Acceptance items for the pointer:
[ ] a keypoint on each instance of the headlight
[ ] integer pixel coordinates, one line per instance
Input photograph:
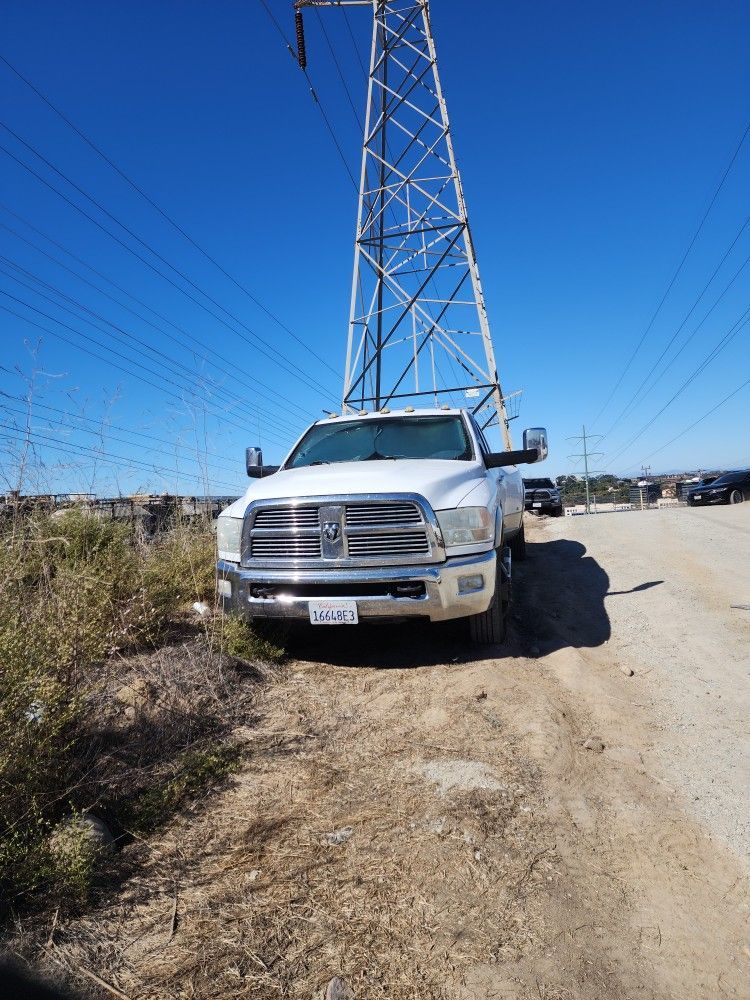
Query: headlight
(228, 536)
(466, 526)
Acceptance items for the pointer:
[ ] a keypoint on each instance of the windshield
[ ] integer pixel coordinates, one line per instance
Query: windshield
(538, 484)
(390, 438)
(730, 477)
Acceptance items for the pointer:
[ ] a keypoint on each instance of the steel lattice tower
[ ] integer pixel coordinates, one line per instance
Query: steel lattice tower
(418, 324)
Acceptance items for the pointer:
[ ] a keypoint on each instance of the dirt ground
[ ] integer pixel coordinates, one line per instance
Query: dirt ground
(430, 825)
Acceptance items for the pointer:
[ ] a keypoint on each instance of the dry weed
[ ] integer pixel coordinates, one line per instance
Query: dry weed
(425, 887)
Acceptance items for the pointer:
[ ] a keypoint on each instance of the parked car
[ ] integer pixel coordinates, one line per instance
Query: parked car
(541, 496)
(732, 487)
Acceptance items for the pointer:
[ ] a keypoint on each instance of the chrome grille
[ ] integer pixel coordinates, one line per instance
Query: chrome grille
(287, 518)
(324, 531)
(285, 547)
(386, 514)
(391, 543)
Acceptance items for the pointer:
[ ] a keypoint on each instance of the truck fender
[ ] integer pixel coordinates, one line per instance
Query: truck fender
(498, 526)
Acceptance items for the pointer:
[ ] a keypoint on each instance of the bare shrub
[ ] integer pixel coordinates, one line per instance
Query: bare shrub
(78, 593)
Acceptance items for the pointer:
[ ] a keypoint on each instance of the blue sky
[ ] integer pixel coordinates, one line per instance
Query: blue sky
(590, 138)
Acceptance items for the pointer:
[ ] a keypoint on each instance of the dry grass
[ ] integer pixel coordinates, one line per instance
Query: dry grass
(244, 894)
(84, 723)
(267, 907)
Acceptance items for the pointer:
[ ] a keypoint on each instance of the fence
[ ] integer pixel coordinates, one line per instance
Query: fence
(151, 513)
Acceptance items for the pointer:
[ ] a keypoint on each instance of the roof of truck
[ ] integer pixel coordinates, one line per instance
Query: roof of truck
(434, 411)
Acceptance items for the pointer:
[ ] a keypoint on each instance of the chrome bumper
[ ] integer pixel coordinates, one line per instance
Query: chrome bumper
(442, 599)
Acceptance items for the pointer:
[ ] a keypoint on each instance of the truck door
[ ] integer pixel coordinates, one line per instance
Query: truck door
(509, 487)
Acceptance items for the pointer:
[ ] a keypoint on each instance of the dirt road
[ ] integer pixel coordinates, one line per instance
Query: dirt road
(430, 825)
(673, 576)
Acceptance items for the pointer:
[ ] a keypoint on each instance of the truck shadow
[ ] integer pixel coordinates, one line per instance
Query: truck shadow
(560, 593)
(559, 602)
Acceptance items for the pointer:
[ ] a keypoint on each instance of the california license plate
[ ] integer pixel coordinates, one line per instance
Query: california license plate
(537, 505)
(333, 613)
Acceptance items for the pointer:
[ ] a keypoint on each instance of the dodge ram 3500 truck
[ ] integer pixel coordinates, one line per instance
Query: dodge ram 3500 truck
(387, 515)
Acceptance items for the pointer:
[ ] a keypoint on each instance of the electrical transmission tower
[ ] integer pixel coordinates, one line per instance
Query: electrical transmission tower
(418, 325)
(586, 455)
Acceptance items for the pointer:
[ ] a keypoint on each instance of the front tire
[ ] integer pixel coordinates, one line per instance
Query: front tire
(736, 496)
(491, 627)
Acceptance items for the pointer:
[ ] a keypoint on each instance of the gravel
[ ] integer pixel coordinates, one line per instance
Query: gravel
(689, 650)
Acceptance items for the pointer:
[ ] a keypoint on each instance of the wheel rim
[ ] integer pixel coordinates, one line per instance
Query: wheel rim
(736, 497)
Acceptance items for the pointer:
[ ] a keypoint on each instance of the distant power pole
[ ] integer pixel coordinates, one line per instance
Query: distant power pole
(585, 439)
(646, 470)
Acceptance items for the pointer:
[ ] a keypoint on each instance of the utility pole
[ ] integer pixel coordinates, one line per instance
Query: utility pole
(585, 439)
(418, 325)
(646, 470)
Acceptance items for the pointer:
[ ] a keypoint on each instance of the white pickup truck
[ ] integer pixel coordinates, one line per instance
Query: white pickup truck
(388, 515)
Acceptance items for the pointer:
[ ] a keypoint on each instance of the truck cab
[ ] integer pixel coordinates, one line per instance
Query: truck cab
(393, 514)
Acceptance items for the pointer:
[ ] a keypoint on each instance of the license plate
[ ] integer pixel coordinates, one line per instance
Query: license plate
(537, 505)
(333, 613)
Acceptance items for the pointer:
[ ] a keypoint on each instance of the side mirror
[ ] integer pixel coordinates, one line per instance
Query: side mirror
(536, 437)
(534, 450)
(253, 460)
(254, 464)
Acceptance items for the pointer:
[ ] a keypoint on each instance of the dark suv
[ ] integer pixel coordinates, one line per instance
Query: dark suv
(541, 496)
(732, 487)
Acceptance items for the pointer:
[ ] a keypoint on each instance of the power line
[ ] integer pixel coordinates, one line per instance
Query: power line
(110, 437)
(84, 452)
(200, 396)
(676, 274)
(331, 132)
(279, 29)
(695, 423)
(336, 63)
(313, 93)
(53, 333)
(165, 333)
(354, 44)
(171, 363)
(165, 215)
(99, 423)
(290, 368)
(232, 371)
(722, 344)
(679, 329)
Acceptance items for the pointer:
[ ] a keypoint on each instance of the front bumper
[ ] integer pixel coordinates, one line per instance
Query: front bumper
(438, 590)
(704, 500)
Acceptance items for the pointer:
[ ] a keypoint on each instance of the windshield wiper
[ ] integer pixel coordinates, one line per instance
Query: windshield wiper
(319, 462)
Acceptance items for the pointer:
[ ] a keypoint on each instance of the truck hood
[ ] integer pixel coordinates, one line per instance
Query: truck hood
(443, 484)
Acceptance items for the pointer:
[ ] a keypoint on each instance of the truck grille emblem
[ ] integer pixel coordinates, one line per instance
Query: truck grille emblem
(331, 531)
